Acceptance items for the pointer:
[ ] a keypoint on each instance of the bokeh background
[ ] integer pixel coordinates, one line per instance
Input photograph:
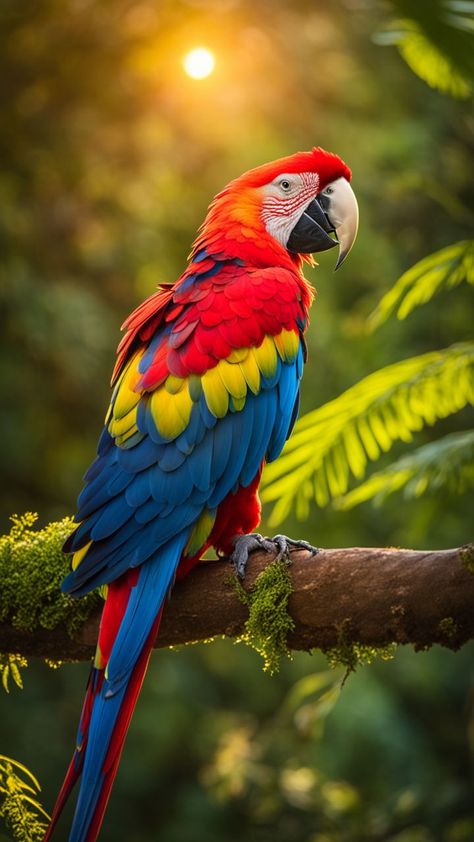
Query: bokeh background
(109, 156)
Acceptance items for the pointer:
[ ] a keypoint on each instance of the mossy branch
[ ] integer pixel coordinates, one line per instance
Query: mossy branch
(343, 601)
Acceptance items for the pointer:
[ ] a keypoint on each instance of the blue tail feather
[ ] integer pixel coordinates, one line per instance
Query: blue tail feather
(145, 601)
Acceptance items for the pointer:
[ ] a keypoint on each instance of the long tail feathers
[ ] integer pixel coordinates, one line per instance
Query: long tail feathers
(75, 766)
(88, 825)
(129, 625)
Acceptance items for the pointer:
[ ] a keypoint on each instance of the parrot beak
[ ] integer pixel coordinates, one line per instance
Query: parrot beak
(340, 205)
(333, 211)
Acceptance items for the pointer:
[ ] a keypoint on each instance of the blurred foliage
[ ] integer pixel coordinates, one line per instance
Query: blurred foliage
(448, 462)
(430, 64)
(445, 269)
(434, 38)
(365, 421)
(109, 156)
(19, 807)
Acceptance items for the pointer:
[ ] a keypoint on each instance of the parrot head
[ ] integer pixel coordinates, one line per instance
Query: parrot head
(302, 203)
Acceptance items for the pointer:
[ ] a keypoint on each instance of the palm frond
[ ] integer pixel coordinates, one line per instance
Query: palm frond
(445, 269)
(339, 438)
(446, 463)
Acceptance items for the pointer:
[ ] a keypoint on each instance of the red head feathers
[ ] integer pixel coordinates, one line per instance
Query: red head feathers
(325, 165)
(252, 217)
(271, 217)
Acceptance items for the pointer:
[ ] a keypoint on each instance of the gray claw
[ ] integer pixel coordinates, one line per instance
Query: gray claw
(245, 544)
(284, 545)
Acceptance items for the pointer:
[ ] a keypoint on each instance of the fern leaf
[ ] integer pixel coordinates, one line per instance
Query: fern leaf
(446, 463)
(338, 439)
(445, 269)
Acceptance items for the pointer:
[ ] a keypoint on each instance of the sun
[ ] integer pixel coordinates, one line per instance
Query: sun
(199, 63)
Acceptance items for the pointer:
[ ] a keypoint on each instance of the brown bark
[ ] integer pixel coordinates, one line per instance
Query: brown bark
(371, 596)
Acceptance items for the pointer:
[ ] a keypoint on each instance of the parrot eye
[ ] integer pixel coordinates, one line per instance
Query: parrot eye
(285, 185)
(329, 190)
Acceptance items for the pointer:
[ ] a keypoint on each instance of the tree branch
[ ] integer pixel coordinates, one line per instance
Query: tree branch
(371, 596)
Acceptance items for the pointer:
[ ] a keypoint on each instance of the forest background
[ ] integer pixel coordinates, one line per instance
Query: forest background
(109, 157)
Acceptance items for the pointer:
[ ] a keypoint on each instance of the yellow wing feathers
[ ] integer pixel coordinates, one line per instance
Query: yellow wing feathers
(171, 410)
(122, 416)
(126, 397)
(287, 344)
(171, 404)
(79, 554)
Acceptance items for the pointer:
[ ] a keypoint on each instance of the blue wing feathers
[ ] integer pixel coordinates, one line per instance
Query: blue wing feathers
(265, 415)
(300, 361)
(242, 425)
(142, 456)
(149, 511)
(194, 432)
(138, 499)
(139, 490)
(172, 458)
(199, 463)
(208, 419)
(288, 391)
(111, 517)
(106, 442)
(221, 447)
(100, 464)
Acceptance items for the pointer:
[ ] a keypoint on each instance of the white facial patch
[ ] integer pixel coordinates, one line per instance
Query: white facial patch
(285, 199)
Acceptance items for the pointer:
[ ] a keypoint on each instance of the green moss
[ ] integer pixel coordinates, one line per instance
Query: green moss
(448, 627)
(269, 622)
(467, 556)
(32, 566)
(351, 655)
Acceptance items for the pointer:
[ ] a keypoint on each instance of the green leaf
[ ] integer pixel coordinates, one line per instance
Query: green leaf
(445, 269)
(446, 463)
(11, 665)
(431, 61)
(339, 438)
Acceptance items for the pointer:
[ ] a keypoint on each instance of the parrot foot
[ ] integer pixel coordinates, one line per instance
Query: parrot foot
(246, 544)
(284, 545)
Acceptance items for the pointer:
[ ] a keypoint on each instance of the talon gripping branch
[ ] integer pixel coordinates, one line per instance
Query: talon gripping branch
(205, 391)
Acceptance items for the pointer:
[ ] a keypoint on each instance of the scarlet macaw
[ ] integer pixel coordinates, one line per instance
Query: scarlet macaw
(206, 390)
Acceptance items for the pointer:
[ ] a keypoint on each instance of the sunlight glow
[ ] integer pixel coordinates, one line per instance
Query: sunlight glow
(199, 63)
